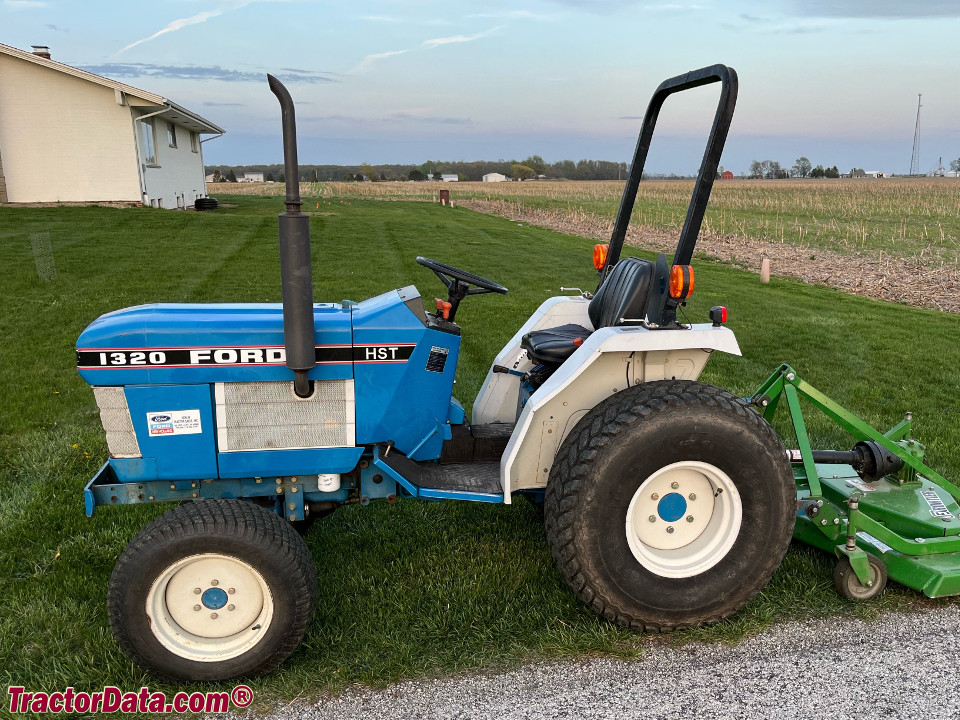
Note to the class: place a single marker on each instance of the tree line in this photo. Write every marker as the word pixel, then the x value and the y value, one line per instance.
pixel 802 168
pixel 531 167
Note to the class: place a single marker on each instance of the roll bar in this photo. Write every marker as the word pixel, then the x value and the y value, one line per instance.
pixel 727 76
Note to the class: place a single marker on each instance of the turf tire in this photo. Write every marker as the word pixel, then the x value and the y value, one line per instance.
pixel 234 529
pixel 618 445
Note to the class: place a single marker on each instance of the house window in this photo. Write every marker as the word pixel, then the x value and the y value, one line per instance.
pixel 194 142
pixel 148 142
pixel 171 134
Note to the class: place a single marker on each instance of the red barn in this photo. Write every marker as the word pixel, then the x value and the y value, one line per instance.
pixel 727 175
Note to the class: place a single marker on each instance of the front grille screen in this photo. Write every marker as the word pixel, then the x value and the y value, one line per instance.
pixel 115 416
pixel 269 416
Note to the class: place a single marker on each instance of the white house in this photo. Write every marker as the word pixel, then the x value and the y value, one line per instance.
pixel 67 135
pixel 449 177
pixel 495 177
pixel 251 177
pixel 874 174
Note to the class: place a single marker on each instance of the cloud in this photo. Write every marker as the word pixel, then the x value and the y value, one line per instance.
pixel 879 9
pixel 24 4
pixel 403 116
pixel 174 26
pixel 187 21
pixel 393 118
pixel 601 7
pixel 369 60
pixel 437 42
pixel 198 72
pixel 515 15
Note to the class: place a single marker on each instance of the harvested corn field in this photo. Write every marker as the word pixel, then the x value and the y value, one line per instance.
pixel 871 237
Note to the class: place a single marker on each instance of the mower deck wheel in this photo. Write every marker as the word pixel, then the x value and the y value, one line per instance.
pixel 849 585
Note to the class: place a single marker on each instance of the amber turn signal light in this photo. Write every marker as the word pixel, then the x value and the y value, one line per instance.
pixel 681 282
pixel 600 255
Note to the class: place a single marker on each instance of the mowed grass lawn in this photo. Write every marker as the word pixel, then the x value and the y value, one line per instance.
pixel 418 588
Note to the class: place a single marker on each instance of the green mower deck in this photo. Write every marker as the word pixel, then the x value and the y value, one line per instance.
pixel 907 519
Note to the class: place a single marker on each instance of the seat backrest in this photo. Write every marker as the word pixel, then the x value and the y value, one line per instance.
pixel 624 294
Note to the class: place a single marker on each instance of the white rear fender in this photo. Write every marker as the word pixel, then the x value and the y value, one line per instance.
pixel 610 360
pixel 497 399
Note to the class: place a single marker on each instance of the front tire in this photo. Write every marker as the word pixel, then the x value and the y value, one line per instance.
pixel 212 590
pixel 669 505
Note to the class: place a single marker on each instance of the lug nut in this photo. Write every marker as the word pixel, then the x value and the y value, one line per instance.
pixel 689 518
pixel 692 496
pixel 670 529
pixel 655 496
pixel 674 485
pixel 231 591
pixel 653 518
pixel 213 616
pixel 197 591
pixel 214 582
pixel 231 607
pixel 197 608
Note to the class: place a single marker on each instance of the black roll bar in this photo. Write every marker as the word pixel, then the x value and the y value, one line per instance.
pixel 727 76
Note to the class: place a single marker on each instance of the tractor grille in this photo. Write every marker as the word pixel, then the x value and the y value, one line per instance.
pixel 115 416
pixel 269 416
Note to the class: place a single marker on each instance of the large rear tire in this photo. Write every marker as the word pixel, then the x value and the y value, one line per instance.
pixel 212 590
pixel 669 505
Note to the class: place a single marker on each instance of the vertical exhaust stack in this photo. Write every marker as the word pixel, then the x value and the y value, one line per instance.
pixel 296 274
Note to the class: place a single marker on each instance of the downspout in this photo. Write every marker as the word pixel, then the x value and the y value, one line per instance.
pixel 203 166
pixel 136 143
pixel 3 185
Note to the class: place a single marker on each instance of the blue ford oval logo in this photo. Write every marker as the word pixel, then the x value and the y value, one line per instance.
pixel 160 418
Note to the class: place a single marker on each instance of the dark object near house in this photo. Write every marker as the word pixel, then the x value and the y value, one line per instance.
pixel 207 203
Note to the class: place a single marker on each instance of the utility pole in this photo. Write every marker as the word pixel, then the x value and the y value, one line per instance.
pixel 915 159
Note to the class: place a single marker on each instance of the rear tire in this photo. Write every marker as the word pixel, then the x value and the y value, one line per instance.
pixel 669 505
pixel 212 590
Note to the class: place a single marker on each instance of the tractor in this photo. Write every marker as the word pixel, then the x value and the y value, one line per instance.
pixel 668 503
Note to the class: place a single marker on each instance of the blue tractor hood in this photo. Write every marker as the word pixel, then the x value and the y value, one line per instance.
pixel 203 343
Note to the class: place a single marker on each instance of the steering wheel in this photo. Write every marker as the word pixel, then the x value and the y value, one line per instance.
pixel 458 284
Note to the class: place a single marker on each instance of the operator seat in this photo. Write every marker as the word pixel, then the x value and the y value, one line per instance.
pixel 624 294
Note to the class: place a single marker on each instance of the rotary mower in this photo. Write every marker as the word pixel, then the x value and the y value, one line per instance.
pixel 668 502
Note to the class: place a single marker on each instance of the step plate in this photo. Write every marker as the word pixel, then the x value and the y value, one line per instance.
pixel 476 477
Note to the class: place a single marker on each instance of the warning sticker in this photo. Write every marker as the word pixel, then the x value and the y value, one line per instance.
pixel 859 485
pixel 174 422
pixel 881 546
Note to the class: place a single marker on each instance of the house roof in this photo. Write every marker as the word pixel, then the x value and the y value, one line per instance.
pixel 171 110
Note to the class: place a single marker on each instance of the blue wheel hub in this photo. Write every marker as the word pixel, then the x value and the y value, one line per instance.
pixel 671 507
pixel 213 598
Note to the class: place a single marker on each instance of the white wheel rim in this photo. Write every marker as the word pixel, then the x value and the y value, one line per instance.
pixel 209 607
pixel 684 519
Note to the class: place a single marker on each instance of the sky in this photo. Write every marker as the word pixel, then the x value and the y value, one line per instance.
pixel 404 81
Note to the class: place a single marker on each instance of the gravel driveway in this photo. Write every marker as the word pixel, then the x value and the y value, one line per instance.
pixel 901 666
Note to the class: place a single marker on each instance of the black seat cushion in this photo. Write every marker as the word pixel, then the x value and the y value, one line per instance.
pixel 623 295
pixel 554 345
